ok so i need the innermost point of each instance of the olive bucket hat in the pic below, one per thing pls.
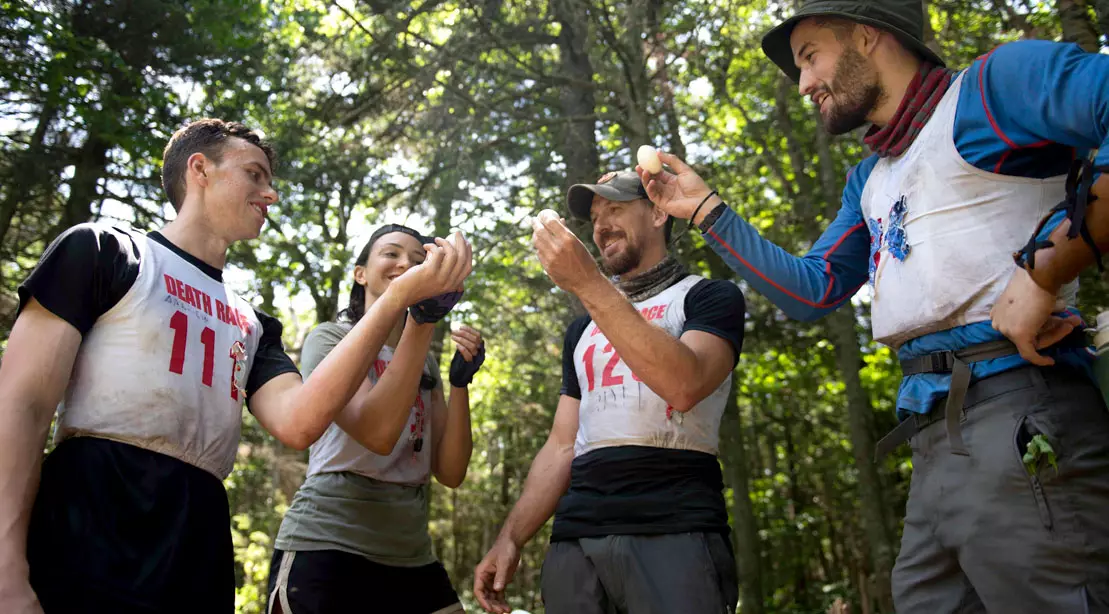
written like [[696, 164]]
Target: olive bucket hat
[[902, 18]]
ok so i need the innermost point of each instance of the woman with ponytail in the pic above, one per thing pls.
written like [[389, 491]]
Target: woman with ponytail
[[355, 538]]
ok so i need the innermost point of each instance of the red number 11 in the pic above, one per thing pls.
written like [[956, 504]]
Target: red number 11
[[180, 325]]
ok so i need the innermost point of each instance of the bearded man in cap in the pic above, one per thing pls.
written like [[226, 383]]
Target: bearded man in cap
[[1010, 444], [630, 469]]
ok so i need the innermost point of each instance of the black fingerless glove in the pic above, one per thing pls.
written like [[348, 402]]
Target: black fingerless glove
[[462, 372], [433, 309]]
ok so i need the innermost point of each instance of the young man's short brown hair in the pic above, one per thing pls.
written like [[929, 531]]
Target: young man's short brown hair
[[207, 136]]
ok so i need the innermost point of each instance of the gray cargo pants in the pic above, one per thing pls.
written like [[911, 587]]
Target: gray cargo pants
[[682, 573], [981, 533]]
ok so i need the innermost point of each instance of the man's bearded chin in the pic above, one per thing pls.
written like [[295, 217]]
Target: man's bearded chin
[[854, 97], [622, 262]]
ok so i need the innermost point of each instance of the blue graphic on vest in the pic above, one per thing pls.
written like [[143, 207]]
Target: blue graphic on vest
[[897, 242], [875, 228]]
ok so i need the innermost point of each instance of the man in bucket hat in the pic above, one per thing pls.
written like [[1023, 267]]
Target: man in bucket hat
[[1010, 445], [630, 469]]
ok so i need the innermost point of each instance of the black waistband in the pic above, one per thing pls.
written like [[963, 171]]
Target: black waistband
[[944, 361], [641, 490]]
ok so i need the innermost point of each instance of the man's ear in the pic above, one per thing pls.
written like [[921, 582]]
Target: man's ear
[[866, 38], [658, 216], [197, 167]]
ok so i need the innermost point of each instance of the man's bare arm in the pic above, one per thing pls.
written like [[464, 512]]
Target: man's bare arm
[[34, 374], [547, 480], [1058, 265]]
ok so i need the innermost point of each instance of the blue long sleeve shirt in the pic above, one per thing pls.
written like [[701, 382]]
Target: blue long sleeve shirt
[[1026, 109]]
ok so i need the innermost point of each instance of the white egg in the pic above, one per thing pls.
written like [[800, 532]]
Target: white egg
[[648, 159], [548, 215]]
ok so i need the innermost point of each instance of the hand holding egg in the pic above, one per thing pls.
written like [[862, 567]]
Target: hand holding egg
[[563, 256], [540, 220]]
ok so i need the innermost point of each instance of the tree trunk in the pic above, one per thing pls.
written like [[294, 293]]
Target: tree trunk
[[659, 52], [748, 550], [782, 94], [327, 307], [578, 148], [835, 539], [841, 328], [737, 469], [506, 499], [756, 462], [92, 161], [1101, 7], [267, 296], [1074, 16], [579, 141], [824, 560], [799, 556], [442, 221], [827, 172], [30, 170], [930, 34], [1017, 20], [456, 536], [864, 595], [636, 86]]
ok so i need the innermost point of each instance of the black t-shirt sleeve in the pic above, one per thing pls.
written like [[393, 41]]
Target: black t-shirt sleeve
[[270, 360], [83, 273], [570, 386], [717, 307]]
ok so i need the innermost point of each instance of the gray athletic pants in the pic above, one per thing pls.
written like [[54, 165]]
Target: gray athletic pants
[[981, 533], [680, 573]]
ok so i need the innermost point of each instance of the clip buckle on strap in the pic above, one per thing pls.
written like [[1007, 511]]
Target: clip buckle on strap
[[936, 362], [953, 410], [907, 428], [958, 364]]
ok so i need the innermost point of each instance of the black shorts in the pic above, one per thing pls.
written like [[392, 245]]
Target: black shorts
[[337, 582], [119, 529]]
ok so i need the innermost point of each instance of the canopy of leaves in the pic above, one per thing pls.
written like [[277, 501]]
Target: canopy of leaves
[[472, 114]]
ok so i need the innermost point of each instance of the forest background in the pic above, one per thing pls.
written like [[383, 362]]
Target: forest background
[[472, 115]]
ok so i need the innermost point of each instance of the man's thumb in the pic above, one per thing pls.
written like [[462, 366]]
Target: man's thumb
[[674, 162]]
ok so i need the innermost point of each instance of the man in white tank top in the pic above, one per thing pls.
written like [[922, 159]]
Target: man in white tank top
[[630, 469], [148, 358], [968, 168]]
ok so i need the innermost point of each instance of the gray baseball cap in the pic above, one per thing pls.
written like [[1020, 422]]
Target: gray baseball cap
[[622, 186]]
